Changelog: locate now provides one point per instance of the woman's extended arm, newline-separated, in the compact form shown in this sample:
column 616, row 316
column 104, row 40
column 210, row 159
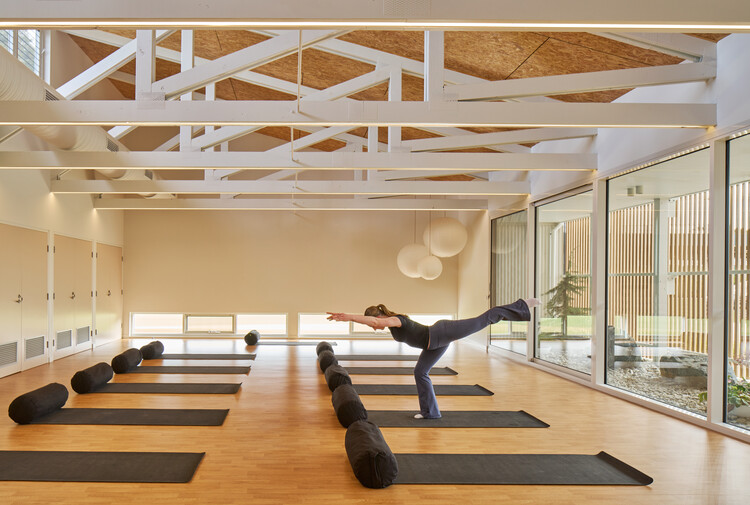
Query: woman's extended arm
column 376, row 323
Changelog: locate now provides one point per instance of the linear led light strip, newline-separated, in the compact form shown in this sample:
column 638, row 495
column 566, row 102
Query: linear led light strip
column 98, row 23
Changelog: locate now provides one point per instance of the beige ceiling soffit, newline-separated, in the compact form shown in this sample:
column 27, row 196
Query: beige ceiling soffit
column 445, row 188
column 290, row 204
column 634, row 15
column 405, row 114
column 584, row 82
column 303, row 161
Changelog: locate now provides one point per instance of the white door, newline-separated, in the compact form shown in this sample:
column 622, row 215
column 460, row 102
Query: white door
column 10, row 301
column 72, row 297
column 33, row 247
column 108, row 293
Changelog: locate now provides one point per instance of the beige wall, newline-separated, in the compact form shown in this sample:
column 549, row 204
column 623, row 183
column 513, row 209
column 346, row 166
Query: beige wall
column 474, row 269
column 241, row 261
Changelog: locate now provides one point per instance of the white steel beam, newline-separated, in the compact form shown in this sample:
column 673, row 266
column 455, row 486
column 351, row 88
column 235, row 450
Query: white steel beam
column 244, row 59
column 303, row 161
column 434, row 65
column 311, row 139
column 469, row 141
column 267, row 187
column 351, row 113
column 104, row 68
column 295, row 204
column 584, row 82
column 396, row 175
column 145, row 63
column 567, row 15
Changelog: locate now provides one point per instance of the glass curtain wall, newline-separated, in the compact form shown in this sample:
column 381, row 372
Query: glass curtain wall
column 563, row 281
column 657, row 281
column 509, row 278
column 738, row 284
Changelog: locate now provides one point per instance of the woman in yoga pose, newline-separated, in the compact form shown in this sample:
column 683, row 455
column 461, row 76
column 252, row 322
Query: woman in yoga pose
column 433, row 340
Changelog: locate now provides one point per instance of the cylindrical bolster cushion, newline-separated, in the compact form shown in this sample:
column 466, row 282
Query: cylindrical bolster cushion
column 91, row 378
column 348, row 406
column 152, row 350
column 336, row 375
column 326, row 359
column 40, row 402
column 323, row 346
column 373, row 462
column 126, row 361
column 252, row 337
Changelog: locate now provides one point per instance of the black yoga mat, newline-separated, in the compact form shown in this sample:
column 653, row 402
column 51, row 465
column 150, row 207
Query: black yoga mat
column 377, row 357
column 143, row 417
column 191, row 369
column 395, row 370
column 456, row 419
column 529, row 469
column 169, row 388
column 74, row 466
column 290, row 343
column 408, row 389
column 206, row 356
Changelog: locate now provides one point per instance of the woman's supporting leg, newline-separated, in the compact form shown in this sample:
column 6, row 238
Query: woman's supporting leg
column 428, row 406
column 446, row 331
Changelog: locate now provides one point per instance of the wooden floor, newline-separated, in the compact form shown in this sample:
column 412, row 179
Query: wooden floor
column 281, row 442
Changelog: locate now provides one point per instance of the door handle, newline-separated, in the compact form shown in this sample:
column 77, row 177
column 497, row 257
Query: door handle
column 73, row 296
column 19, row 299
column 109, row 292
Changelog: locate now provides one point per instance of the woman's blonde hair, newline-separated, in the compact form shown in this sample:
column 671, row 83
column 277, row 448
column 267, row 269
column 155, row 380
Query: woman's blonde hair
column 380, row 310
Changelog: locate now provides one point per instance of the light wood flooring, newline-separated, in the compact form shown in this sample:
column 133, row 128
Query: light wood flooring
column 281, row 442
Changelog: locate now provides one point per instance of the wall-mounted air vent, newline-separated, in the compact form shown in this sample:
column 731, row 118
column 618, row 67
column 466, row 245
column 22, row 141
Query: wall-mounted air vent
column 112, row 146
column 49, row 96
column 64, row 339
column 82, row 335
column 34, row 347
column 8, row 353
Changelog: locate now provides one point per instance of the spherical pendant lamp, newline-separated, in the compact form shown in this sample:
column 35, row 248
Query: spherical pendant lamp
column 448, row 238
column 408, row 259
column 430, row 267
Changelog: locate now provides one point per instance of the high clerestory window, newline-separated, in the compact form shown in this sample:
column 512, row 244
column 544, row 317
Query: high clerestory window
column 26, row 45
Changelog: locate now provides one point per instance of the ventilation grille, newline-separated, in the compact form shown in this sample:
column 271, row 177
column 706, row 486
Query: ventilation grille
column 8, row 354
column 82, row 335
column 112, row 146
column 49, row 96
column 34, row 347
column 64, row 339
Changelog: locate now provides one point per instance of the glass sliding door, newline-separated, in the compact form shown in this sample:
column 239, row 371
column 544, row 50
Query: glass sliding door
column 563, row 281
column 509, row 278
column 738, row 282
column 657, row 281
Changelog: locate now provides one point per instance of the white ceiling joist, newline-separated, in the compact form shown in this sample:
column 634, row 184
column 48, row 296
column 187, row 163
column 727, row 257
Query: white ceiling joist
column 448, row 188
column 353, row 113
column 231, row 64
column 675, row 44
column 584, row 82
column 438, row 204
column 468, row 14
column 497, row 138
column 395, row 175
column 103, row 68
column 303, row 160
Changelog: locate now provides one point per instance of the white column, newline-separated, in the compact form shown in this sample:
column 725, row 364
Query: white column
column 530, row 270
column 372, row 139
column 187, row 60
column 717, row 219
column 599, row 282
column 394, row 95
column 434, row 65
column 145, row 63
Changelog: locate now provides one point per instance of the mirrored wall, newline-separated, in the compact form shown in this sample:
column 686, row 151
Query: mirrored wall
column 657, row 281
column 509, row 278
column 563, row 282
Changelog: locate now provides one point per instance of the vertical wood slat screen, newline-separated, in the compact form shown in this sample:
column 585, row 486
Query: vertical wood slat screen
column 578, row 257
column 738, row 338
column 508, row 263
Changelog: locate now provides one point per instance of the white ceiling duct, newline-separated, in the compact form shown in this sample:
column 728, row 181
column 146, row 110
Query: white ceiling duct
column 18, row 83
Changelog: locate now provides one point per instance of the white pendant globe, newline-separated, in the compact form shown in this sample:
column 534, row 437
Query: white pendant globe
column 430, row 267
column 408, row 258
column 449, row 237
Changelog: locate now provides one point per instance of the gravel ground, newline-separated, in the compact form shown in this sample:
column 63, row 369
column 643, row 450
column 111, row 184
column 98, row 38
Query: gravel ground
column 644, row 380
